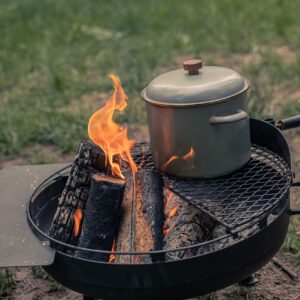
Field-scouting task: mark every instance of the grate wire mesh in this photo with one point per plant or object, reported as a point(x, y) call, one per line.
point(234, 200)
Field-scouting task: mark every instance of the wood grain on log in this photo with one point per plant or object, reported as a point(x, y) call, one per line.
point(185, 225)
point(142, 217)
point(124, 240)
point(101, 217)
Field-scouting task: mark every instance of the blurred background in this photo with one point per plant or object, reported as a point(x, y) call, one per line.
point(55, 57)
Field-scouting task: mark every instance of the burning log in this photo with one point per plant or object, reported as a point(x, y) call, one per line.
point(101, 217)
point(124, 240)
point(89, 160)
point(149, 194)
point(142, 219)
point(185, 225)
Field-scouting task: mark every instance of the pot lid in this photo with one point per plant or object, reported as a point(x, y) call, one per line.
point(195, 84)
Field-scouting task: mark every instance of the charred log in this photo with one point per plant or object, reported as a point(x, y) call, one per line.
point(142, 218)
point(185, 225)
point(88, 160)
point(101, 216)
point(149, 194)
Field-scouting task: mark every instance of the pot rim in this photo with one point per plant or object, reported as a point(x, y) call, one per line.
point(209, 102)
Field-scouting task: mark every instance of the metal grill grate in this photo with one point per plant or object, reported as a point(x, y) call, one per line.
point(236, 199)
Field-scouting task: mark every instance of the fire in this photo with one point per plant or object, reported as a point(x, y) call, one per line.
point(168, 162)
point(77, 218)
point(171, 214)
point(168, 197)
point(110, 136)
point(112, 257)
point(166, 230)
point(188, 157)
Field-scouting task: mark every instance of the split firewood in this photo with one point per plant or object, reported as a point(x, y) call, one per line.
point(142, 217)
point(124, 240)
point(89, 160)
point(149, 195)
point(101, 217)
point(220, 230)
point(185, 225)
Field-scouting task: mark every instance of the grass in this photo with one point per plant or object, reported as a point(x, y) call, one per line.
point(55, 55)
point(292, 109)
point(6, 283)
point(292, 243)
point(40, 273)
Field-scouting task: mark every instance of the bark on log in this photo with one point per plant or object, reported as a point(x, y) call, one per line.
point(142, 217)
point(185, 225)
point(88, 160)
point(101, 217)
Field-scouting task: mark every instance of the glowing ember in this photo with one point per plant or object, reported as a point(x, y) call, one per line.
point(171, 214)
point(167, 198)
point(166, 230)
point(188, 157)
point(77, 218)
point(110, 136)
point(112, 257)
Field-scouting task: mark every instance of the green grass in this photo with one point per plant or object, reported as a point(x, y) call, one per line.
point(292, 109)
point(40, 273)
point(54, 54)
point(6, 283)
point(292, 243)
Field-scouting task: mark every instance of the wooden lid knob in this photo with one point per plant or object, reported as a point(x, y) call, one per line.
point(192, 66)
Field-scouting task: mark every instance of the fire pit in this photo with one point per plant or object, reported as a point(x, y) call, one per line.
point(251, 207)
point(113, 226)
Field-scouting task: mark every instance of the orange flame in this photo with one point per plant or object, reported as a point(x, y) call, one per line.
point(171, 214)
point(110, 136)
point(168, 162)
point(168, 197)
point(188, 156)
point(77, 218)
point(166, 231)
point(112, 257)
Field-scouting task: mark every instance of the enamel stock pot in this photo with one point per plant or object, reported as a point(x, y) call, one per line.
point(198, 120)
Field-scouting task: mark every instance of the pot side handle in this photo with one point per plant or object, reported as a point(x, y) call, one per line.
point(240, 115)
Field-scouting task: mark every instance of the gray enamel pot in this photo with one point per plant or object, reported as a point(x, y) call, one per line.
point(198, 121)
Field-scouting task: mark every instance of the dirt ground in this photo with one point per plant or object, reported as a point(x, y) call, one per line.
point(274, 283)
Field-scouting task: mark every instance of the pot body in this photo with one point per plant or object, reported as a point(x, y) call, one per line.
point(200, 141)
